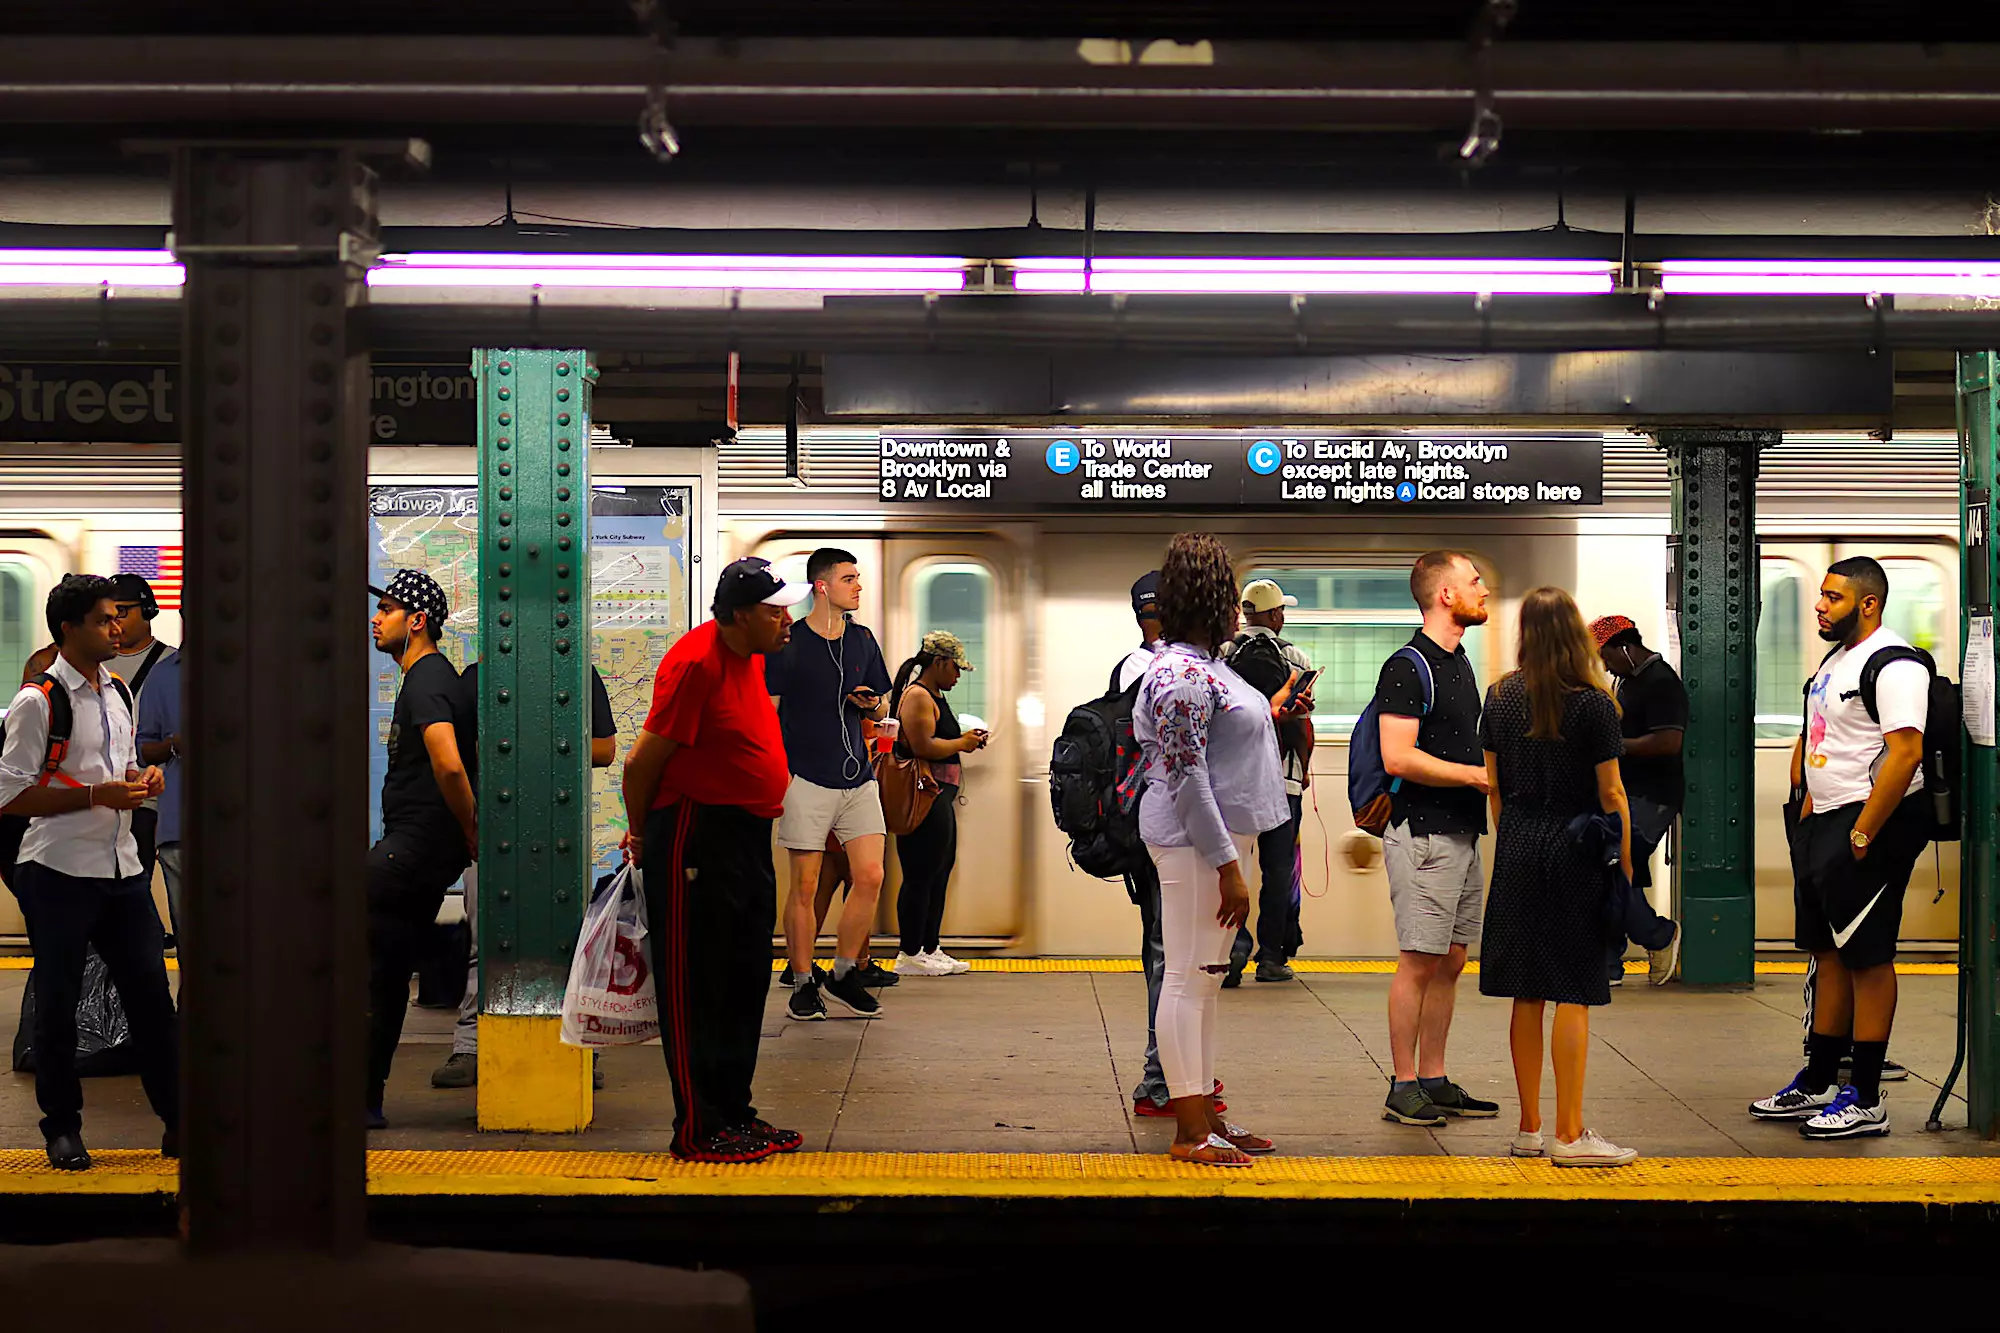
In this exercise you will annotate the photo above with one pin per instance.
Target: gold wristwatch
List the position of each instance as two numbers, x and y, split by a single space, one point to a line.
1858 839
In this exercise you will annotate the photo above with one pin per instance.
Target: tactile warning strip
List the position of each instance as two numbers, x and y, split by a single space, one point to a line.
1310 966
1972 1180
1360 966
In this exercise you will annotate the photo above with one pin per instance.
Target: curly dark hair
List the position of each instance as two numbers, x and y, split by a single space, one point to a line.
1198 595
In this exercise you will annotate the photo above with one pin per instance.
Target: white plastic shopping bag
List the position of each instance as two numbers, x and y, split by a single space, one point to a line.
610 1000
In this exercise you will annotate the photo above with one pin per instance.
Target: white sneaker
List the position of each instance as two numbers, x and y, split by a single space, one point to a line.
1794 1103
951 966
1847 1118
916 965
1589 1149
1527 1143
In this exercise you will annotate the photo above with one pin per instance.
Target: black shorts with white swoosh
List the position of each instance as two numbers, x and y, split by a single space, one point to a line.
1855 907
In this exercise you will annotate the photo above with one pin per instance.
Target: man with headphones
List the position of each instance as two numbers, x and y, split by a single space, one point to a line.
824 681
138 654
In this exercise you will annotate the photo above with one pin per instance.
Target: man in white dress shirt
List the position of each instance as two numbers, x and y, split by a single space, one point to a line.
79 877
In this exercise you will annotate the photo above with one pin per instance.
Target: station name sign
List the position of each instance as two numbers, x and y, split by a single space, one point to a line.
99 402
1207 469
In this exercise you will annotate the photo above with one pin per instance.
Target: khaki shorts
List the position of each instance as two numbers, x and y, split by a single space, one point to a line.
813 811
1436 886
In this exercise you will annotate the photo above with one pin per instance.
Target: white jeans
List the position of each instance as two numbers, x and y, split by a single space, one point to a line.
1197 954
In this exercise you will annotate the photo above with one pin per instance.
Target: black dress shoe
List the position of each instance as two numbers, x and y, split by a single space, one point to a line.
67 1153
170 1145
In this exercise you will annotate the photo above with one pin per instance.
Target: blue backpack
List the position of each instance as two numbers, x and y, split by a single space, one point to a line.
1369 786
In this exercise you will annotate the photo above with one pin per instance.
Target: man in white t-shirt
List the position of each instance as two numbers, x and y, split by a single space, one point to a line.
1863 823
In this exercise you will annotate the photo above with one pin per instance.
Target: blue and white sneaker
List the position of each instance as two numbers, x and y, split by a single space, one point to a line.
1794 1102
1848 1119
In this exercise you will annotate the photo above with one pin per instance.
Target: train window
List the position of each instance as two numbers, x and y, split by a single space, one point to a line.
1916 605
1781 646
21 628
958 596
1348 621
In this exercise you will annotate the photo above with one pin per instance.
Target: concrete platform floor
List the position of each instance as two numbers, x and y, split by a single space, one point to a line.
1045 1062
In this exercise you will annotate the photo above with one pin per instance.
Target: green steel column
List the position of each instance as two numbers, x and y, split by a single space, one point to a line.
1714 475
1979 447
534 726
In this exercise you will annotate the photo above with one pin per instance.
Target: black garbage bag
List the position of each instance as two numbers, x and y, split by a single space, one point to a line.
104 1047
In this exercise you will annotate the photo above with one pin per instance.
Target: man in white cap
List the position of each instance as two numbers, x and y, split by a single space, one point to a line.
1275 665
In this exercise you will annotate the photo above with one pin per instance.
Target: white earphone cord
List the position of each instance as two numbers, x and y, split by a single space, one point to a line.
852 766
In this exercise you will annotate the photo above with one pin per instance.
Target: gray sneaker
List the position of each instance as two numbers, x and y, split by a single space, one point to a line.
1411 1106
1275 972
460 1071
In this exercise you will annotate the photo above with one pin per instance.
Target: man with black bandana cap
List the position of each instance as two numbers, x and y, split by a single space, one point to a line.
430 826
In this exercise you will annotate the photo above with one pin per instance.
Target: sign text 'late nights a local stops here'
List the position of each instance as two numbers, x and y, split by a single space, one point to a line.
1205 469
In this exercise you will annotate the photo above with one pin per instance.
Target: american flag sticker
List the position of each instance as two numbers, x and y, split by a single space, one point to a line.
159 566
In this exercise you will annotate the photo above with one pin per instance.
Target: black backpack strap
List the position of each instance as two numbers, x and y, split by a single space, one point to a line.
153 656
1871 672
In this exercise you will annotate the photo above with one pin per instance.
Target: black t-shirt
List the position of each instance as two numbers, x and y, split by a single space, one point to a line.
812 677
601 724
1653 699
429 695
1449 731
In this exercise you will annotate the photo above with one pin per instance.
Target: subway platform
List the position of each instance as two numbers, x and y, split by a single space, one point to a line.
1036 1059
985 1123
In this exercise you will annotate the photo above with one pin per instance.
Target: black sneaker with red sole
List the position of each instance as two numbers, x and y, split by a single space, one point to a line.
784 1140
727 1147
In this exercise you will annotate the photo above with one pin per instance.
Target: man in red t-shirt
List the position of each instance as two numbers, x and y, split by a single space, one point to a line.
702 785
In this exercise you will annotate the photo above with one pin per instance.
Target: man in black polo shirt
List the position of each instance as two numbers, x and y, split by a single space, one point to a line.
1428 700
1653 715
430 827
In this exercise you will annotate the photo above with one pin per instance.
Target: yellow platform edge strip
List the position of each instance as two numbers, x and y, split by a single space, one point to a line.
1365 966
1665 1180
1309 966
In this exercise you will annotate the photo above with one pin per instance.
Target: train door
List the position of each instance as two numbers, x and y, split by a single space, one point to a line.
1923 608
967 584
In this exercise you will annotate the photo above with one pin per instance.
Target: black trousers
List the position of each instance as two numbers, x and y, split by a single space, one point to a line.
927 853
1278 936
67 916
711 896
408 873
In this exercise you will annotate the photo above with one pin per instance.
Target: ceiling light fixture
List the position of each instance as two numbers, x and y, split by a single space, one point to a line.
1291 276
89 268
839 273
1829 277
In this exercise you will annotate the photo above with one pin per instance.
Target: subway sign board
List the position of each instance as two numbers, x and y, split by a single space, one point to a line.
101 402
1316 470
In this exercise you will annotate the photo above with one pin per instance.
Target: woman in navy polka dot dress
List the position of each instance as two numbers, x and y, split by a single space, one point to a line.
1550 733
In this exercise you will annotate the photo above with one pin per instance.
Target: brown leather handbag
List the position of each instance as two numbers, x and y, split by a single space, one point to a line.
907 787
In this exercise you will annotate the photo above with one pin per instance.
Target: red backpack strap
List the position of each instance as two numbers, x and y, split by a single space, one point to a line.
61 720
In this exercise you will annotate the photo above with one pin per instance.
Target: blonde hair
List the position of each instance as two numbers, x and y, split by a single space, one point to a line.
1557 659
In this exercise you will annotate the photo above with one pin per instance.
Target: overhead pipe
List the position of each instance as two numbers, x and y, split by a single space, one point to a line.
1239 326
410 82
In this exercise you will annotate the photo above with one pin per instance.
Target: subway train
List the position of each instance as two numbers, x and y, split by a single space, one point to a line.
1040 598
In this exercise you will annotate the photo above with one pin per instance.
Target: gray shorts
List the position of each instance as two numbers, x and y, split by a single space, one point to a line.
813 811
1436 887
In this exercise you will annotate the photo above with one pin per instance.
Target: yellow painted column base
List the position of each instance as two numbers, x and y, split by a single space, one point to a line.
528 1080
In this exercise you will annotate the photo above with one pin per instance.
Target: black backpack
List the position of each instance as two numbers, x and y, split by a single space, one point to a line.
1260 660
1943 716
1095 781
13 828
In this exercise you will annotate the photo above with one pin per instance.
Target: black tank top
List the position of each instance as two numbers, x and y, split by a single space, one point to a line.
947 728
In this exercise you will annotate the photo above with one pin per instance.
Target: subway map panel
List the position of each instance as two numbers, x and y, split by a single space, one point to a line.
641 582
